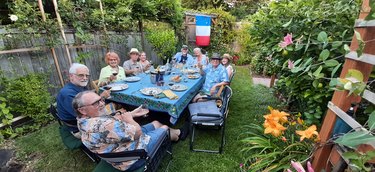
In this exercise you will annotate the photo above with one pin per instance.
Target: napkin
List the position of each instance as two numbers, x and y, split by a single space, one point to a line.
170 94
159 96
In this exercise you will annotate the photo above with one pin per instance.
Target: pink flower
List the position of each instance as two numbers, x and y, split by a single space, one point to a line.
309 167
241 165
287 41
298 166
290 64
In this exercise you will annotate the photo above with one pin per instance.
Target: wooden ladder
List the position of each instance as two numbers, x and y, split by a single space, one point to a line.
327 157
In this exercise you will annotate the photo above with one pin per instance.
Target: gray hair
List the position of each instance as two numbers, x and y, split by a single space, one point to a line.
79 102
198 49
75 66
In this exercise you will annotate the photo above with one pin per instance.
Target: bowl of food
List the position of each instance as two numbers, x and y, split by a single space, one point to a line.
176 78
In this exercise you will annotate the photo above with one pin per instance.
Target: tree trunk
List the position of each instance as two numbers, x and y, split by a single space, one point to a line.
140 27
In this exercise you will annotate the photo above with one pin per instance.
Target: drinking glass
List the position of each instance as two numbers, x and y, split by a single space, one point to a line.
108 88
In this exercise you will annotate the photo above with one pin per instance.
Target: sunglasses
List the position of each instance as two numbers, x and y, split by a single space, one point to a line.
96 103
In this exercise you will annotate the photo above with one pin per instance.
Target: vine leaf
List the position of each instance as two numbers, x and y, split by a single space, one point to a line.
371 14
361 44
322 37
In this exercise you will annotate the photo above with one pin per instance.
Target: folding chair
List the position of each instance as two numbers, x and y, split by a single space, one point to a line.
208 114
232 76
67 137
145 162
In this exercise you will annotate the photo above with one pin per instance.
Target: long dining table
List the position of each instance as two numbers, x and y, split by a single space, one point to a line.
174 107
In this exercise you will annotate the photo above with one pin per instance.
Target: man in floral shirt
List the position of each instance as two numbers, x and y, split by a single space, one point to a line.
216 76
102 133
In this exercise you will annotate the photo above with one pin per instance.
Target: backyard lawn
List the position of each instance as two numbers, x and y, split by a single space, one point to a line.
43 150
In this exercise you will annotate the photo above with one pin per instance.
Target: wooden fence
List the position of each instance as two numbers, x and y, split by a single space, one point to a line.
32 56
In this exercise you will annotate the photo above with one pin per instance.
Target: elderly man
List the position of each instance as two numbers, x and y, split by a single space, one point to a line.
183 56
216 76
132 66
102 133
79 77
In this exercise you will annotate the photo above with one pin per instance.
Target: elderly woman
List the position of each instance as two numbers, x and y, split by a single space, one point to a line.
113 72
132 66
226 62
200 59
145 64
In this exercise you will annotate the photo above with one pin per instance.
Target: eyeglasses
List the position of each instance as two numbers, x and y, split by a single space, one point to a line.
82 75
96 103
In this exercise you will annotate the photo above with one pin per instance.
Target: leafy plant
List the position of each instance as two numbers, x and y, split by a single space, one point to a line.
222 34
319 31
274 145
163 39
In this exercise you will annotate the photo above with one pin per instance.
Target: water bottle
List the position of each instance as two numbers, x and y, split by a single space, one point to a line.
341 127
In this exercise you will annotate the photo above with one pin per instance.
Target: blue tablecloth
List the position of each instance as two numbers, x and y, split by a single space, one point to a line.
174 108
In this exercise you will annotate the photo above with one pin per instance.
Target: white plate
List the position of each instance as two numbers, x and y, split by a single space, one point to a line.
132 79
192 71
150 91
193 76
118 87
178 87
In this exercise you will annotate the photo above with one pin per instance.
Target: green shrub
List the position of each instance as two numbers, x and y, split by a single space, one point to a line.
28 96
222 34
320 30
163 39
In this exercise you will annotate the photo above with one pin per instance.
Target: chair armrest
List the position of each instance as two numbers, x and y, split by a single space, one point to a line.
124 156
209 115
210 98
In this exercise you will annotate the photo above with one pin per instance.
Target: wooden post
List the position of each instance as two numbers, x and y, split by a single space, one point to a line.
272 82
104 27
340 98
41 8
62 31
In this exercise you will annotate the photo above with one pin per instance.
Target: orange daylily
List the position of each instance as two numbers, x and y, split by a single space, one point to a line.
279 116
300 121
308 133
274 128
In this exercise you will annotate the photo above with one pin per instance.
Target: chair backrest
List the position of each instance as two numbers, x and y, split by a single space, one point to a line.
53 111
94 84
232 76
227 94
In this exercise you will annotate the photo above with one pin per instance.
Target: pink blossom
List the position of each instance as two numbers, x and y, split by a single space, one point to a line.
290 64
287 41
241 165
288 170
298 166
309 167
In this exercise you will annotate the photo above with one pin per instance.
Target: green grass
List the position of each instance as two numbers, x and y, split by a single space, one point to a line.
45 152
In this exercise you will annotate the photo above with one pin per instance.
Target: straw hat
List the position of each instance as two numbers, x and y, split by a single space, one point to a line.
133 50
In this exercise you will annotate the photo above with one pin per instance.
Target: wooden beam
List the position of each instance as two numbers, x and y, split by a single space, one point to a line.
341 98
62 31
364 23
20 50
14 120
40 3
367 58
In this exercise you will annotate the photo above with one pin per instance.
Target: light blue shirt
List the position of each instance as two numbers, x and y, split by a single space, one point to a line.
214 76
204 60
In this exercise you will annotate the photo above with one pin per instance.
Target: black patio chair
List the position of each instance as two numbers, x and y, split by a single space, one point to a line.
210 114
68 139
145 162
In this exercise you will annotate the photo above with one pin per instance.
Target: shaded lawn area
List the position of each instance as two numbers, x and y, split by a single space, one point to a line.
44 151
